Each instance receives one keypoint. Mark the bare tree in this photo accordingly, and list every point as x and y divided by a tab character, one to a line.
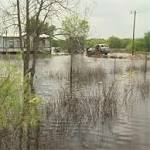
43	10
39	10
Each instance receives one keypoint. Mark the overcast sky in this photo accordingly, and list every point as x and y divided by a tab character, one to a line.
113	17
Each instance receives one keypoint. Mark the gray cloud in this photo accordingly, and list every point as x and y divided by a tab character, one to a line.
113	17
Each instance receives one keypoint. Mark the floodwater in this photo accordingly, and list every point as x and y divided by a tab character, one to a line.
106	106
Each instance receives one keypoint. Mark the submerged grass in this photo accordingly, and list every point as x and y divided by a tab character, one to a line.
101	103
95	98
140	68
144	88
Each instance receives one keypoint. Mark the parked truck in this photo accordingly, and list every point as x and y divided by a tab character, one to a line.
98	49
103	48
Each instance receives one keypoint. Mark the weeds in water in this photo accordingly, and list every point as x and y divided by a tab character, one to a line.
95	98
140	68
116	70
110	101
144	88
132	68
86	109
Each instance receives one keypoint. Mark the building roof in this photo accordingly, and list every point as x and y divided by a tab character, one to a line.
44	36
23	34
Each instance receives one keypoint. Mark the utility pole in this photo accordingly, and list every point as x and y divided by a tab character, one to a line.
133	40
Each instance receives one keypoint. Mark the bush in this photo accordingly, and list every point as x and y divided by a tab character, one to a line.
10	96
13	110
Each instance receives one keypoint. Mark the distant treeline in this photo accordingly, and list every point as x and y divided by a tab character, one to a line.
113	42
118	43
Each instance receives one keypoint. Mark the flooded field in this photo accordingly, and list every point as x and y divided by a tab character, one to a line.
103	105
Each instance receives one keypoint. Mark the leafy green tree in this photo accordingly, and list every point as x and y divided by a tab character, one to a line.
114	42
59	43
75	31
125	42
43	28
93	42
147	40
139	44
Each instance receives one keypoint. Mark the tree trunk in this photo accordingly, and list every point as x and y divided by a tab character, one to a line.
19	26
26	75
34	59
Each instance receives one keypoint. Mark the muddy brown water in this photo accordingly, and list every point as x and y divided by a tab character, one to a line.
109	108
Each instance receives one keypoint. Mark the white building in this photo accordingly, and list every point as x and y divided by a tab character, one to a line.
9	43
12	43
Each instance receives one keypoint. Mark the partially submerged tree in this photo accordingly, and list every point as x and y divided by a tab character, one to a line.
75	30
37	28
32	19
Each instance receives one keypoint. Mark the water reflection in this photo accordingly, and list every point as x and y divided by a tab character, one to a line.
104	112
